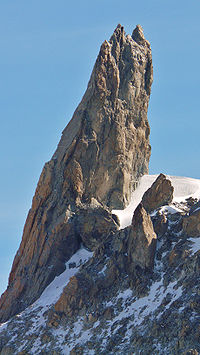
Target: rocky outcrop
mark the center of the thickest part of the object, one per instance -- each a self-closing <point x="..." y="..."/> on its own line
<point x="93" y="224"/>
<point x="191" y="223"/>
<point x="103" y="151"/>
<point x="108" y="136"/>
<point x="131" y="254"/>
<point x="159" y="194"/>
<point x="142" y="240"/>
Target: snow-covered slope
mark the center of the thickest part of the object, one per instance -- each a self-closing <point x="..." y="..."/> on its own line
<point x="48" y="298"/>
<point x="184" y="188"/>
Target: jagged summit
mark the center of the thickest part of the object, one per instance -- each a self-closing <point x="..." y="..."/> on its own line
<point x="138" y="35"/>
<point x="119" y="27"/>
<point x="102" y="153"/>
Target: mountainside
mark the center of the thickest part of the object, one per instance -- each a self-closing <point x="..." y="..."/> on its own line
<point x="102" y="153"/>
<point x="109" y="261"/>
<point x="113" y="300"/>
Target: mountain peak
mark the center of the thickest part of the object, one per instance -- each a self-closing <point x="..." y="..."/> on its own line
<point x="119" y="28"/>
<point x="86" y="280"/>
<point x="138" y="35"/>
<point x="103" y="150"/>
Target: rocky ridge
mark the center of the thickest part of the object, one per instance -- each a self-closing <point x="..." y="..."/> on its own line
<point x="107" y="140"/>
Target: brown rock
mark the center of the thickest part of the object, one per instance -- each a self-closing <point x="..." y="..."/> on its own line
<point x="45" y="338"/>
<point x="103" y="150"/>
<point x="173" y="257"/>
<point x="160" y="224"/>
<point x="159" y="194"/>
<point x="108" y="313"/>
<point x="92" y="318"/>
<point x="110" y="125"/>
<point x="54" y="320"/>
<point x="74" y="296"/>
<point x="191" y="223"/>
<point x="142" y="240"/>
<point x="38" y="265"/>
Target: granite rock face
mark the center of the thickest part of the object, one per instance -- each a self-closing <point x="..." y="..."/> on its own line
<point x="102" y="153"/>
<point x="191" y="223"/>
<point x="159" y="194"/>
<point x="105" y="147"/>
<point x="142" y="240"/>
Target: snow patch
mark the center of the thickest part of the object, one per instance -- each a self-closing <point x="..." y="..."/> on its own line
<point x="125" y="294"/>
<point x="170" y="209"/>
<point x="125" y="216"/>
<point x="103" y="270"/>
<point x="196" y="245"/>
<point x="52" y="292"/>
<point x="138" y="309"/>
<point x="183" y="188"/>
<point x="49" y="297"/>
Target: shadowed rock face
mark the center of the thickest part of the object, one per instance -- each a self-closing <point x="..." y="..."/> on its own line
<point x="103" y="151"/>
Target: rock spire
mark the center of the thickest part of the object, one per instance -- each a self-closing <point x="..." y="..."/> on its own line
<point x="102" y="153"/>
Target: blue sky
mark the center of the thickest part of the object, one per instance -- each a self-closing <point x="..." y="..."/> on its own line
<point x="48" y="49"/>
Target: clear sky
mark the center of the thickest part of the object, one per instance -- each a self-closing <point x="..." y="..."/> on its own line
<point x="47" y="51"/>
